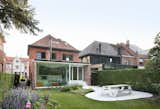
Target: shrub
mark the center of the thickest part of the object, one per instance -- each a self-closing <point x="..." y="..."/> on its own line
<point x="76" y="89"/>
<point x="6" y="83"/>
<point x="68" y="88"/>
<point x="119" y="76"/>
<point x="139" y="79"/>
<point x="17" y="98"/>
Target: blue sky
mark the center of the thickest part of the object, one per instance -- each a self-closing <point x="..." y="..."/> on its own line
<point x="80" y="22"/>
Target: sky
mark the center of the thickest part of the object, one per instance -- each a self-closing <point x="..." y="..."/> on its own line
<point x="80" y="22"/>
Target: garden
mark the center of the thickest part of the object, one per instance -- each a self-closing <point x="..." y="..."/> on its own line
<point x="68" y="97"/>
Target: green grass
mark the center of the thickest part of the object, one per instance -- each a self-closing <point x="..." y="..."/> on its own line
<point x="76" y="101"/>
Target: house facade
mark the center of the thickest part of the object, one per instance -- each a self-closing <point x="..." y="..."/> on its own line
<point x="102" y="55"/>
<point x="54" y="62"/>
<point x="99" y="53"/>
<point x="17" y="64"/>
<point x="2" y="54"/>
<point x="133" y="55"/>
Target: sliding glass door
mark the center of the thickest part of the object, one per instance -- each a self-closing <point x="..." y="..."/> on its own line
<point x="76" y="73"/>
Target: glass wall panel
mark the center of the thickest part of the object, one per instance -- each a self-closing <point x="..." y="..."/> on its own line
<point x="74" y="73"/>
<point x="51" y="74"/>
<point x="80" y="73"/>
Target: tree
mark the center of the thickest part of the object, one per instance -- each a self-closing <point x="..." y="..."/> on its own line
<point x="19" y="14"/>
<point x="153" y="66"/>
<point x="154" y="53"/>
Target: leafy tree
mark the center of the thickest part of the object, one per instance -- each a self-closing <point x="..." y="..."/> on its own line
<point x="153" y="65"/>
<point x="18" y="13"/>
<point x="154" y="53"/>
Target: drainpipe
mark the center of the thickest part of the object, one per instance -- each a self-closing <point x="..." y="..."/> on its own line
<point x="69" y="73"/>
<point x="50" y="49"/>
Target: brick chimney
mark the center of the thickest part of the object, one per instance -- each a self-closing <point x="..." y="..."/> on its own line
<point x="127" y="43"/>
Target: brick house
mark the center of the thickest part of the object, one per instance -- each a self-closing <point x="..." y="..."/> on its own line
<point x="61" y="50"/>
<point x="133" y="55"/>
<point x="55" y="62"/>
<point x="2" y="54"/>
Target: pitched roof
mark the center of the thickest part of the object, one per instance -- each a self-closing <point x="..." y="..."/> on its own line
<point x="56" y="43"/>
<point x="134" y="49"/>
<point x="128" y="50"/>
<point x="137" y="49"/>
<point x="10" y="59"/>
<point x="106" y="49"/>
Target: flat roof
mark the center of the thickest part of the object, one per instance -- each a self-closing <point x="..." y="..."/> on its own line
<point x="61" y="62"/>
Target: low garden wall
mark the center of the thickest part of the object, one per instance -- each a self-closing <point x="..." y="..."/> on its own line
<point x="139" y="79"/>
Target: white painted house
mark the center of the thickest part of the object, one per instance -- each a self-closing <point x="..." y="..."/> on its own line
<point x="16" y="64"/>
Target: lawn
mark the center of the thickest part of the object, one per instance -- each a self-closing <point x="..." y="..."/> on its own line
<point x="75" y="101"/>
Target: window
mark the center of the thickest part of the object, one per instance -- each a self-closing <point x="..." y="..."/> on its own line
<point x="53" y="55"/>
<point x="74" y="73"/>
<point x="67" y="57"/>
<point x="80" y="73"/>
<point x="40" y="55"/>
<point x="141" y="62"/>
<point x="110" y="60"/>
<point x="127" y="62"/>
<point x="25" y="67"/>
<point x="17" y="67"/>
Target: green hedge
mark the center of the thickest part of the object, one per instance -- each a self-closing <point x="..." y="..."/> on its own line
<point x="6" y="82"/>
<point x="139" y="79"/>
<point x="120" y="76"/>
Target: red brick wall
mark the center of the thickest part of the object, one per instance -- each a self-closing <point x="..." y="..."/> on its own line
<point x="59" y="54"/>
<point x="132" y="60"/>
<point x="87" y="74"/>
<point x="127" y="56"/>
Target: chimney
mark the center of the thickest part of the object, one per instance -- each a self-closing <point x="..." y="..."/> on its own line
<point x="127" y="44"/>
<point x="100" y="47"/>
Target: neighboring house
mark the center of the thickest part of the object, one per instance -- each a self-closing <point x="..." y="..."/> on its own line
<point x="55" y="62"/>
<point x="103" y="55"/>
<point x="16" y="64"/>
<point x="2" y="54"/>
<point x="133" y="55"/>
<point x="99" y="53"/>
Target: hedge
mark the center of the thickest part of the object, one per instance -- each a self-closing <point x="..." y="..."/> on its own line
<point x="139" y="79"/>
<point x="6" y="82"/>
<point x="119" y="76"/>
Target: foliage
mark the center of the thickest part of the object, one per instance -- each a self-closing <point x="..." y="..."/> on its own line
<point x="17" y="99"/>
<point x="76" y="89"/>
<point x="154" y="53"/>
<point x="6" y="83"/>
<point x="139" y="79"/>
<point x="119" y="76"/>
<point x="69" y="88"/>
<point x="19" y="14"/>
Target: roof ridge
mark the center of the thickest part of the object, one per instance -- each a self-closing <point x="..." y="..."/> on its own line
<point x="56" y="43"/>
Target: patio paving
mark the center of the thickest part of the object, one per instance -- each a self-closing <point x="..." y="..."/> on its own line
<point x="99" y="95"/>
